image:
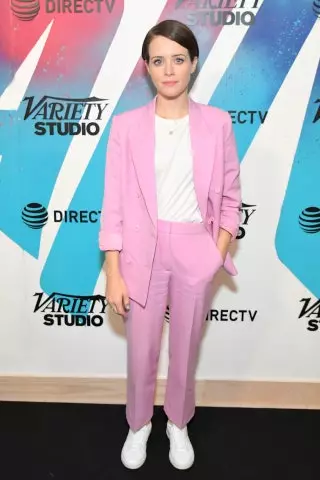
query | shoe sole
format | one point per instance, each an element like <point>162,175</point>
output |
<point>135,467</point>
<point>179,467</point>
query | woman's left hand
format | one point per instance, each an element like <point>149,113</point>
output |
<point>223,255</point>
<point>223,242</point>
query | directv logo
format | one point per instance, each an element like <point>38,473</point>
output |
<point>27,10</point>
<point>309,220</point>
<point>35,216</point>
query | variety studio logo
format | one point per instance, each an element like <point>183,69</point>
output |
<point>246,211</point>
<point>36,216</point>
<point>309,220</point>
<point>71,310</point>
<point>218,12</point>
<point>311,311</point>
<point>27,10</point>
<point>65,116</point>
<point>317,115</point>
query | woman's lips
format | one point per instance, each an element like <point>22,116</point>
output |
<point>170,84</point>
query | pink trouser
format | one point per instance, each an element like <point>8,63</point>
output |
<point>185,262</point>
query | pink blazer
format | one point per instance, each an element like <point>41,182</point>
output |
<point>129,210</point>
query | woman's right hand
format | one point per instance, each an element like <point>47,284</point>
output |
<point>117,294</point>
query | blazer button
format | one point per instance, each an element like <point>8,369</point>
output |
<point>127,259</point>
<point>217,189</point>
<point>137,227</point>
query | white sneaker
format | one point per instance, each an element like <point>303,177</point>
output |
<point>181,453</point>
<point>134,450</point>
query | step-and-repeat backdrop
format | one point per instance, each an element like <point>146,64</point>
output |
<point>68,66</point>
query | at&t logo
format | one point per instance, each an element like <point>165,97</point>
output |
<point>309,220</point>
<point>25,9</point>
<point>316,7</point>
<point>34,215</point>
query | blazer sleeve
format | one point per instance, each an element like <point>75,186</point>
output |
<point>110,235</point>
<point>231,195</point>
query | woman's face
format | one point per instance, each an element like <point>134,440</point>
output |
<point>169,66</point>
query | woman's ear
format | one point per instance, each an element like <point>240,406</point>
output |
<point>147,66</point>
<point>194,64</point>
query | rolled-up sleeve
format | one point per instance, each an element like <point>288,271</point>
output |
<point>110,234</point>
<point>231,196</point>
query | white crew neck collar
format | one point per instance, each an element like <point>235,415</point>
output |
<point>172,119</point>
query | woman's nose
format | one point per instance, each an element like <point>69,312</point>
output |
<point>168,67</point>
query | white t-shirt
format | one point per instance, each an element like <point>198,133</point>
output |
<point>176,194</point>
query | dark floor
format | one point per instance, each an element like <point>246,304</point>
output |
<point>45,441</point>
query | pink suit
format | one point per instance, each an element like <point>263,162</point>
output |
<point>163,261</point>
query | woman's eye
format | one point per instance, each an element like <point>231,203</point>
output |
<point>157,61</point>
<point>179,59</point>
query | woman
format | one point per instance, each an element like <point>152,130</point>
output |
<point>170,210</point>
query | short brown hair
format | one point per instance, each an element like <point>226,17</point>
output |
<point>176,31</point>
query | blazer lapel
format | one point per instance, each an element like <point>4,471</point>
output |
<point>203,148</point>
<point>143,154</point>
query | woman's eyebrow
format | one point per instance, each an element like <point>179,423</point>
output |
<point>175,55</point>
